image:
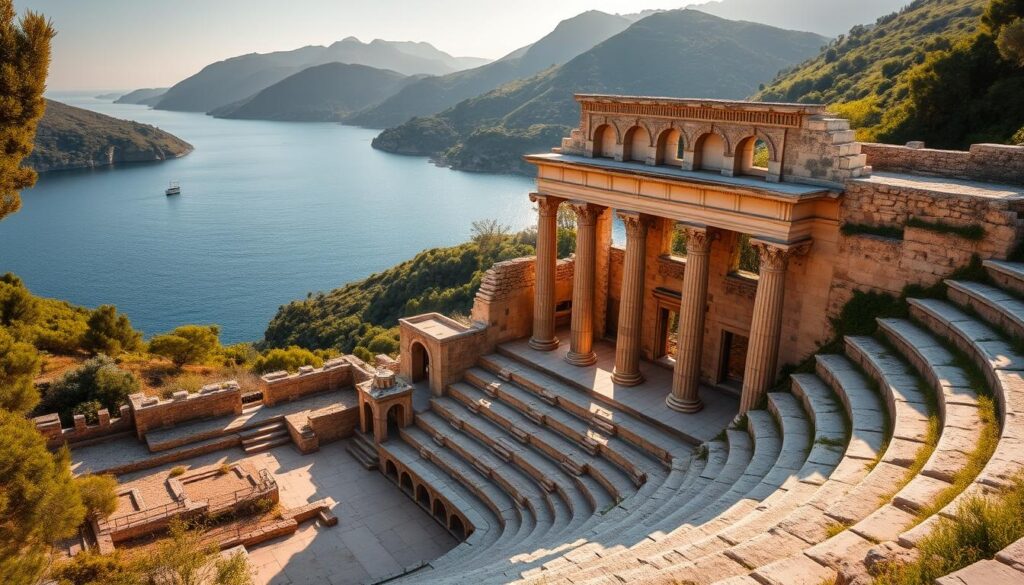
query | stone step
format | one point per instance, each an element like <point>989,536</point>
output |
<point>267,444</point>
<point>264,436</point>
<point>1008,275</point>
<point>867,413</point>
<point>362,448</point>
<point>264,429</point>
<point>995,305</point>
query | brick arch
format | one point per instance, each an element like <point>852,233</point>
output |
<point>601,123</point>
<point>773,149</point>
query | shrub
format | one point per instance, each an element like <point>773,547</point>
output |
<point>290,359</point>
<point>188,344</point>
<point>99,494</point>
<point>98,379</point>
<point>19,365</point>
<point>177,470</point>
<point>91,568</point>
<point>110,333</point>
<point>239,354</point>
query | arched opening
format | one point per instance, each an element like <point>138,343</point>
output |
<point>669,150</point>
<point>391,471</point>
<point>396,419</point>
<point>457,527</point>
<point>636,144</point>
<point>406,483</point>
<point>604,141</point>
<point>440,512</point>
<point>752,155</point>
<point>422,496</point>
<point>368,415</point>
<point>709,153</point>
<point>420,362</point>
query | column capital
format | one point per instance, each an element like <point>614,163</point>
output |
<point>698,237</point>
<point>636,223</point>
<point>546,204</point>
<point>586,213</point>
<point>775,255</point>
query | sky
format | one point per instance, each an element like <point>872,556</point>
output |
<point>127,44</point>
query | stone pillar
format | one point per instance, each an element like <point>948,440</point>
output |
<point>692,309</point>
<point>631,304</point>
<point>543,338</point>
<point>581,348</point>
<point>766,326</point>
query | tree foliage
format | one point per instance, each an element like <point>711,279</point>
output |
<point>99,494</point>
<point>188,344</point>
<point>97,383</point>
<point>25,59</point>
<point>110,333</point>
<point>289,359</point>
<point>19,365</point>
<point>183,559</point>
<point>39,501</point>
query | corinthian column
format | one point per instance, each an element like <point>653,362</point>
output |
<point>581,346</point>
<point>766,326</point>
<point>692,308</point>
<point>544,290</point>
<point>631,303</point>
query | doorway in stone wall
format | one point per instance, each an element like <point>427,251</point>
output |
<point>668,334</point>
<point>733,360</point>
<point>420,362</point>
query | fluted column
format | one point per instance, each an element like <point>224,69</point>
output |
<point>631,303</point>
<point>581,346</point>
<point>544,288</point>
<point>766,326</point>
<point>692,308</point>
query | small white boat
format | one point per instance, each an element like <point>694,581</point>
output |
<point>173,189</point>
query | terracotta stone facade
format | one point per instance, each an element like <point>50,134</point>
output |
<point>282,386</point>
<point>82,433</point>
<point>214,400</point>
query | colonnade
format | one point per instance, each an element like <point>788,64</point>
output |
<point>765,328</point>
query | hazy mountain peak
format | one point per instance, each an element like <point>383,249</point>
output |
<point>827,17</point>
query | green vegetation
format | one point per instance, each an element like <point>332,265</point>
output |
<point>188,344</point>
<point>973,232</point>
<point>98,383</point>
<point>289,359</point>
<point>73,138</point>
<point>491,131</point>
<point>25,54</point>
<point>883,231</point>
<point>98,494</point>
<point>948,72</point>
<point>981,528</point>
<point>110,333</point>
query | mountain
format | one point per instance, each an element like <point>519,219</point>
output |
<point>72,138</point>
<point>676,53</point>
<point>323,93</point>
<point>237,78</point>
<point>826,17</point>
<point>146,97</point>
<point>871,75</point>
<point>109,96</point>
<point>434,94</point>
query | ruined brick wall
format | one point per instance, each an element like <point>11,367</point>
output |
<point>335,422</point>
<point>212,401</point>
<point>281,386</point>
<point>984,162</point>
<point>82,433</point>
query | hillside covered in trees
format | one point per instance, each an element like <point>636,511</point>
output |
<point>949,72</point>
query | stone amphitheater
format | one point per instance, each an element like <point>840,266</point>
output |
<point>663,411</point>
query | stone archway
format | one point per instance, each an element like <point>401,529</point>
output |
<point>423,496</point>
<point>420,362</point>
<point>604,141</point>
<point>456,526</point>
<point>440,512</point>
<point>406,483</point>
<point>391,471</point>
<point>367,418</point>
<point>395,419</point>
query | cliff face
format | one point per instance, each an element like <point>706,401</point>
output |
<point>73,138</point>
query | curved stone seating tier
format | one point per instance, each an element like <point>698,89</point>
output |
<point>992,304</point>
<point>1008,275</point>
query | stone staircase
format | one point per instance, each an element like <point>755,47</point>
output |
<point>361,447</point>
<point>865,452</point>
<point>265,437</point>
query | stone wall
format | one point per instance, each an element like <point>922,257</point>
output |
<point>281,386</point>
<point>439,347</point>
<point>984,162</point>
<point>213,400</point>
<point>81,433</point>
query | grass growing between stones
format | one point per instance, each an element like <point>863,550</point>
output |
<point>931,440</point>
<point>981,528</point>
<point>973,232</point>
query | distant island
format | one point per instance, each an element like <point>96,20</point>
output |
<point>73,138</point>
<point>147,97</point>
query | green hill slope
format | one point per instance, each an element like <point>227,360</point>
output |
<point>929,72</point>
<point>678,53</point>
<point>72,138</point>
<point>434,94</point>
<point>324,93</point>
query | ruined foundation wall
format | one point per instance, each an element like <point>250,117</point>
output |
<point>49,426</point>
<point>212,401</point>
<point>998,163</point>
<point>281,386</point>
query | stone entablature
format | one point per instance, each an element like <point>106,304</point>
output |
<point>998,163</point>
<point>211,401</point>
<point>805,143</point>
<point>282,386</point>
<point>49,426</point>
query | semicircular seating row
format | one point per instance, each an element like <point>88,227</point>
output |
<point>569,491</point>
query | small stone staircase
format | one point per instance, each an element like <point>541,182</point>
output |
<point>265,437</point>
<point>361,447</point>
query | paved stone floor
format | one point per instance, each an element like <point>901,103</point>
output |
<point>380,531</point>
<point>647,398</point>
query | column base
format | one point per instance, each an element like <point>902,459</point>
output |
<point>540,345</point>
<point>685,406</point>
<point>627,379</point>
<point>581,359</point>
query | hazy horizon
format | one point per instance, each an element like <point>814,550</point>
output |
<point>130,44</point>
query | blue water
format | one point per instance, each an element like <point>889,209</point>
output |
<point>269,211</point>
